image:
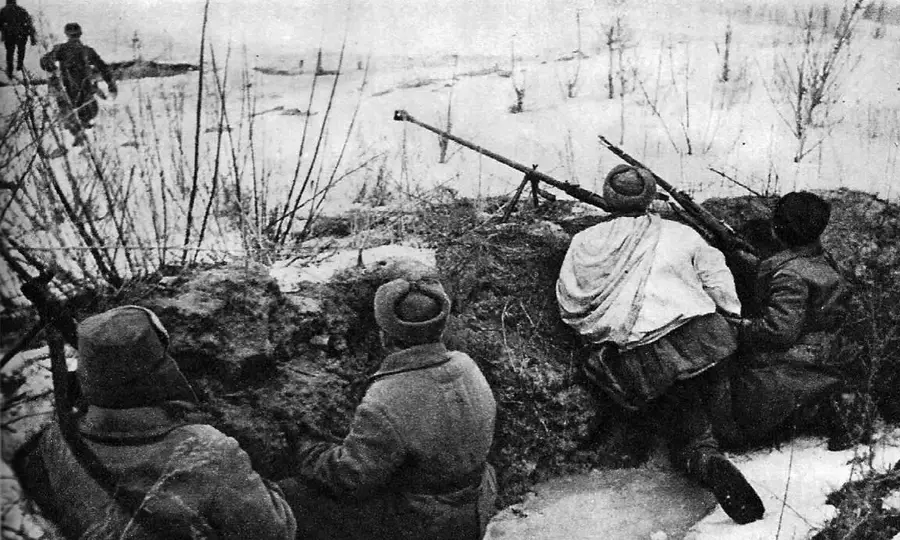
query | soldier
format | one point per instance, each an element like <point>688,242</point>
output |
<point>787,338</point>
<point>76,90</point>
<point>16,28</point>
<point>135,465</point>
<point>414,464</point>
<point>645,294</point>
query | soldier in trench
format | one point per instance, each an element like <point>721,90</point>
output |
<point>136,464</point>
<point>646,295</point>
<point>789,333</point>
<point>414,464</point>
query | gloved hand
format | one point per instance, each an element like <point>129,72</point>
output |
<point>739,325</point>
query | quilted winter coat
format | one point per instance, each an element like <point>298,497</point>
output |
<point>417,449</point>
<point>188,480</point>
<point>801,301</point>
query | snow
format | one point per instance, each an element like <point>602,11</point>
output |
<point>793,482</point>
<point>288,276</point>
<point>654,501</point>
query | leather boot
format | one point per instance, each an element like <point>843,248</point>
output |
<point>732,491</point>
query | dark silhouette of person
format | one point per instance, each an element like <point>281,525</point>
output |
<point>71,65</point>
<point>16,28</point>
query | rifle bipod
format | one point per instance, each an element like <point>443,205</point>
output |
<point>536,193</point>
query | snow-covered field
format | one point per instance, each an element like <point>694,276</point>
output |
<point>675,114</point>
<point>673,59</point>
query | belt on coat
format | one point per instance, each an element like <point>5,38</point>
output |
<point>468,480</point>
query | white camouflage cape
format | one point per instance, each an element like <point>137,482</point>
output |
<point>601,283</point>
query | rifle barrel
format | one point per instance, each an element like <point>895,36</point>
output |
<point>573,190</point>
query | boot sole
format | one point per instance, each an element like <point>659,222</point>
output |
<point>736,496</point>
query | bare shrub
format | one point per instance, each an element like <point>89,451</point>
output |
<point>518,83</point>
<point>808,80</point>
<point>148,193</point>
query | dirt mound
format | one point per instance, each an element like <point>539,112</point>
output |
<point>142,69</point>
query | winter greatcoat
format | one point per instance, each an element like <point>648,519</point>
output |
<point>16,23</point>
<point>416,454</point>
<point>74,87</point>
<point>192,481</point>
<point>801,300</point>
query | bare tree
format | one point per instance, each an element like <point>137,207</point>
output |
<point>726,54</point>
<point>519,89</point>
<point>810,81</point>
<point>617,38</point>
<point>443,141</point>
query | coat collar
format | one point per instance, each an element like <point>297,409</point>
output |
<point>127,425</point>
<point>782,257</point>
<point>413,358</point>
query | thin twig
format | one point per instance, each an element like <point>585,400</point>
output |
<point>737,182</point>
<point>193,196</point>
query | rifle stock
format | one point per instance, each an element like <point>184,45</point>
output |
<point>577,192</point>
<point>698,216</point>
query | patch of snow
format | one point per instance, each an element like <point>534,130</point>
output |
<point>793,482</point>
<point>891,502</point>
<point>289,276</point>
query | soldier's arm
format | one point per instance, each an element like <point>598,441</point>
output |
<point>103,68</point>
<point>32,31</point>
<point>781,319</point>
<point>244,505</point>
<point>717,279</point>
<point>4,20</point>
<point>48,61</point>
<point>365,461</point>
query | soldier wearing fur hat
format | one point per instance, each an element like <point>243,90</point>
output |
<point>414,464</point>
<point>645,295</point>
<point>801,299</point>
<point>136,466</point>
<point>71,65</point>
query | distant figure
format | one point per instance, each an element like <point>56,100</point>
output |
<point>71,65</point>
<point>16,27</point>
<point>646,295</point>
<point>135,464</point>
<point>414,465</point>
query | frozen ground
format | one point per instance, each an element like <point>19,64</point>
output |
<point>651,502</point>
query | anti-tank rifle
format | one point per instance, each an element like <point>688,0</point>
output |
<point>532,175</point>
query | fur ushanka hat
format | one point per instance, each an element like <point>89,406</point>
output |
<point>123,361</point>
<point>414,312</point>
<point>629,189</point>
<point>800,218</point>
